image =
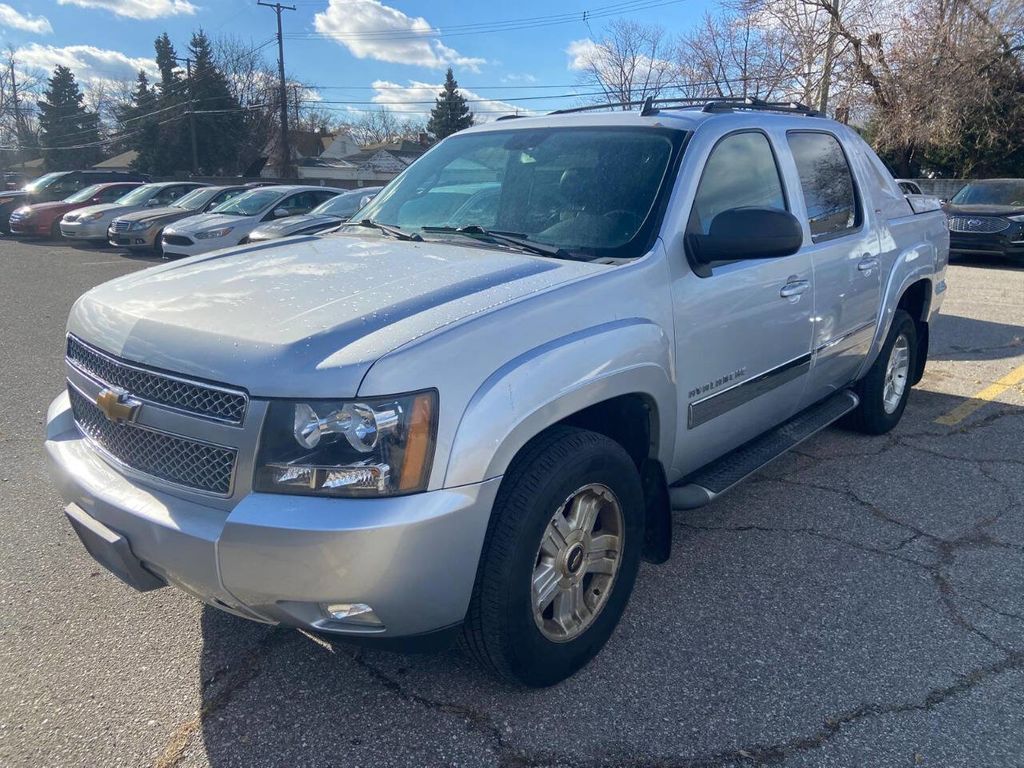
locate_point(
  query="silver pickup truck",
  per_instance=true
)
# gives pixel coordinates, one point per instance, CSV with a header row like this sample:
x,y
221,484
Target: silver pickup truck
x,y
472,411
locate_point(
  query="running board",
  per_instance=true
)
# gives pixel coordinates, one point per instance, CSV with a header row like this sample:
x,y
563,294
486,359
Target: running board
x,y
714,479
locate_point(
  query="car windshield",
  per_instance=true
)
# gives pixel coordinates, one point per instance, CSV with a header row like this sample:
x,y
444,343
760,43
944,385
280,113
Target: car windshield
x,y
1008,192
588,191
83,194
42,182
343,205
196,199
139,195
249,204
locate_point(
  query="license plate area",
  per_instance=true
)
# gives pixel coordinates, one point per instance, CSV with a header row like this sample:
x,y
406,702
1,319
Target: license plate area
x,y
111,550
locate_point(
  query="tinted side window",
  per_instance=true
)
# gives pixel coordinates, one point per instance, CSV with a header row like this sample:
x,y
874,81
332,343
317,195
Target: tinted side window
x,y
827,183
740,173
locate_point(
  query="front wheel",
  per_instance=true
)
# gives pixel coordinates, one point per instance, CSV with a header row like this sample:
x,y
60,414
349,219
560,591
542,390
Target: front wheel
x,y
884,390
560,558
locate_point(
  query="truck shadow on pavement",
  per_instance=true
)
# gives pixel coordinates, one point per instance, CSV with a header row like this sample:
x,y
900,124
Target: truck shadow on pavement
x,y
858,602
967,338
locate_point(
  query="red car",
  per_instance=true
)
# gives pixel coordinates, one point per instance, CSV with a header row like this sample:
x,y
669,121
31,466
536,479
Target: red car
x,y
43,219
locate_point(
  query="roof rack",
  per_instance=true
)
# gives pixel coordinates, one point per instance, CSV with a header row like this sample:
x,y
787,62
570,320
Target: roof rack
x,y
651,105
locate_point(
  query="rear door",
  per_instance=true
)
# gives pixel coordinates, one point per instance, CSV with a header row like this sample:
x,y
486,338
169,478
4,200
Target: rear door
x,y
845,257
743,328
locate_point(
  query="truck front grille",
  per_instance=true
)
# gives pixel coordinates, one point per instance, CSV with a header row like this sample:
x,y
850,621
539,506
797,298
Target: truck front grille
x,y
206,400
171,458
977,224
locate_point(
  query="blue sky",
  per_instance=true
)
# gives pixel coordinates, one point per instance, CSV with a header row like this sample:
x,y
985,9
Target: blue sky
x,y
350,50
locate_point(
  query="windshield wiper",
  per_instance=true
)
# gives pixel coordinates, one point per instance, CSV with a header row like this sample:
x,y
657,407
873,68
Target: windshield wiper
x,y
387,230
514,239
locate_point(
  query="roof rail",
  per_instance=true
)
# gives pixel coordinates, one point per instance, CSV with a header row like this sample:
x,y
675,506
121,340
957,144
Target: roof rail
x,y
651,105
509,117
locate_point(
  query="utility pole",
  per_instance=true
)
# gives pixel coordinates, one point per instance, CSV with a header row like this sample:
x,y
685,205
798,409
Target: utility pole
x,y
826,69
283,95
17,107
191,113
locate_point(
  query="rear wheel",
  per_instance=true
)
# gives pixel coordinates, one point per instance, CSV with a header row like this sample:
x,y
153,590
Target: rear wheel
x,y
884,390
560,559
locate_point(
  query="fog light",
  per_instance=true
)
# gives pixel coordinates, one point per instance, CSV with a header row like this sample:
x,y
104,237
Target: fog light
x,y
353,613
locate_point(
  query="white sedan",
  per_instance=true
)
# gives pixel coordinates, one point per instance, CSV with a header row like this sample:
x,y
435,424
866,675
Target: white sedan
x,y
230,223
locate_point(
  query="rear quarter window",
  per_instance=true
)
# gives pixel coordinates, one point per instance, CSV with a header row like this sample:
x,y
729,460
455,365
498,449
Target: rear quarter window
x,y
826,180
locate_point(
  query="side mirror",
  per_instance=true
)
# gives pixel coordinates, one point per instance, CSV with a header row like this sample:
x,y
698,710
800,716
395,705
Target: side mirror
x,y
280,213
152,202
748,233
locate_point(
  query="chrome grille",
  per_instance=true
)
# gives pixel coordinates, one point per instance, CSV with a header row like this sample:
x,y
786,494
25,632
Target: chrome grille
x,y
977,224
177,460
191,396
120,226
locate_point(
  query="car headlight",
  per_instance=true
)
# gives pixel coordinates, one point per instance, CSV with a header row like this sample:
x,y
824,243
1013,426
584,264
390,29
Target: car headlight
x,y
380,446
138,226
24,211
211,233
1019,218
90,216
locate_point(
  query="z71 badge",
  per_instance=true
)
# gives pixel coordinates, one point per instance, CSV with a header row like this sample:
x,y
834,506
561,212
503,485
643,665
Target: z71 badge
x,y
718,383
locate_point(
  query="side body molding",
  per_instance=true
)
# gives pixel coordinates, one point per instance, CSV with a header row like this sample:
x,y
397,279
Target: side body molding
x,y
544,385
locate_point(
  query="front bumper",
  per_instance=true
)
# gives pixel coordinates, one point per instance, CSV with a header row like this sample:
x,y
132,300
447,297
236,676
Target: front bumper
x,y
141,239
277,558
178,248
84,230
1009,243
29,227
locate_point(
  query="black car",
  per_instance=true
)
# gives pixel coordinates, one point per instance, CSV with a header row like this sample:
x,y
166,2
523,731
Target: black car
x,y
987,218
57,186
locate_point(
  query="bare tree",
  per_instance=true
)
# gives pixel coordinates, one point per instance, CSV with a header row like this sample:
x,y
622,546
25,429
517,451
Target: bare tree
x,y
382,126
630,62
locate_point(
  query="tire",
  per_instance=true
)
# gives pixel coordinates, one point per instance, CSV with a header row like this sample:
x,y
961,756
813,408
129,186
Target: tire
x,y
158,245
874,415
55,231
561,474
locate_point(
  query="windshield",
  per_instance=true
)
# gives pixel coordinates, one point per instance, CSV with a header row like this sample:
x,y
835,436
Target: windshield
x,y
590,191
196,199
344,205
138,195
1008,192
42,182
83,194
249,204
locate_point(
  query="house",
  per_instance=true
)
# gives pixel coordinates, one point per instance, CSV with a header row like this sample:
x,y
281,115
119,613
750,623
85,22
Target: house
x,y
121,162
344,160
302,146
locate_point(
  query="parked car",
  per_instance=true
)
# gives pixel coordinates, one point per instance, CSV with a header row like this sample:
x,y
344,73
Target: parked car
x,y
142,230
13,181
232,222
987,218
93,222
406,431
43,219
57,186
325,216
909,187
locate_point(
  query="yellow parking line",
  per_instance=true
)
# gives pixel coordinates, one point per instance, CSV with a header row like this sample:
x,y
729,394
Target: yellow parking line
x,y
987,395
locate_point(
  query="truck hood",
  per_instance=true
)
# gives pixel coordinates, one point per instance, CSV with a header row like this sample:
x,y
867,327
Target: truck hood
x,y
306,318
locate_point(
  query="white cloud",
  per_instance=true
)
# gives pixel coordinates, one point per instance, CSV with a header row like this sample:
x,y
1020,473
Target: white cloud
x,y
403,98
10,17
581,53
372,30
138,9
516,77
90,64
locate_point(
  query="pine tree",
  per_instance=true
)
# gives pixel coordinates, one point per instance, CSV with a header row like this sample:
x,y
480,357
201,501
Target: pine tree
x,y
65,125
219,135
167,63
164,148
139,121
450,113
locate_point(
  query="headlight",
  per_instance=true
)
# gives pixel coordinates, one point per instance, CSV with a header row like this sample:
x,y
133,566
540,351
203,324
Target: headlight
x,y
138,226
1019,218
381,446
90,216
209,233
24,212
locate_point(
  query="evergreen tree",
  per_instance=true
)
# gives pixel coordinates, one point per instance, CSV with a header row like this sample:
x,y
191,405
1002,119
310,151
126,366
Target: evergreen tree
x,y
218,135
166,62
450,113
139,121
163,146
65,125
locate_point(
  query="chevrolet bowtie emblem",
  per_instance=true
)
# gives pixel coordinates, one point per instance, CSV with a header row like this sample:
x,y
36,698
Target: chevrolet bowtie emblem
x,y
117,405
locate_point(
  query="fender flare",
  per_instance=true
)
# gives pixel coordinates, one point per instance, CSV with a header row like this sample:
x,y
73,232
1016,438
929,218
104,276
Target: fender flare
x,y
544,385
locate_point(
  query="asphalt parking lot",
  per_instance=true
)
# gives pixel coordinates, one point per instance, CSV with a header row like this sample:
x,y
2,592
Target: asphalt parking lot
x,y
859,603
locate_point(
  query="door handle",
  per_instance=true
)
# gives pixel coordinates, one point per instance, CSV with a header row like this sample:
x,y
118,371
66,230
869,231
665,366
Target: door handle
x,y
794,288
867,263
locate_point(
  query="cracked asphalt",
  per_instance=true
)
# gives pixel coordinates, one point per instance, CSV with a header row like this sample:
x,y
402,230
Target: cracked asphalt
x,y
858,603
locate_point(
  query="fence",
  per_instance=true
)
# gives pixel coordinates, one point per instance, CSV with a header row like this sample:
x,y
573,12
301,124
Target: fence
x,y
941,188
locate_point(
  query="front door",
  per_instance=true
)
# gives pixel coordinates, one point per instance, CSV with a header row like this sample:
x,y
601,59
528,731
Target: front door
x,y
743,329
845,257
